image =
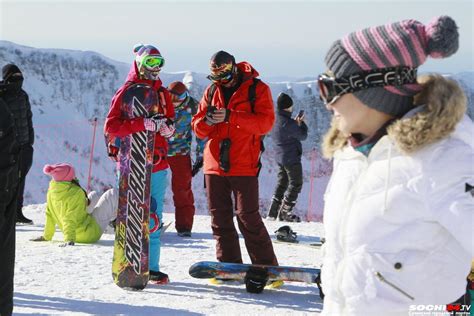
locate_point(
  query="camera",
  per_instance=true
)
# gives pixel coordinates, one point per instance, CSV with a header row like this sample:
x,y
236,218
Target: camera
x,y
224,155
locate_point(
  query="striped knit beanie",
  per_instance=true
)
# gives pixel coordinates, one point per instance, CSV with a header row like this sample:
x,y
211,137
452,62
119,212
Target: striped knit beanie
x,y
405,43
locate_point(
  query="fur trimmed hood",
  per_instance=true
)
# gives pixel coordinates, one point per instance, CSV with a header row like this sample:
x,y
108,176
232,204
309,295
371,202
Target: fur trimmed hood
x,y
442,105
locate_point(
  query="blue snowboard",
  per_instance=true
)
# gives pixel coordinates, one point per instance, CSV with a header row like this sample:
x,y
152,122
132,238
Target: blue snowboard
x,y
237,271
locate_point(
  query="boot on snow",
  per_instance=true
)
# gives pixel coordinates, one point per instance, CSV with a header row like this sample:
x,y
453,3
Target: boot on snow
x,y
255,280
274,207
286,212
157,277
22,219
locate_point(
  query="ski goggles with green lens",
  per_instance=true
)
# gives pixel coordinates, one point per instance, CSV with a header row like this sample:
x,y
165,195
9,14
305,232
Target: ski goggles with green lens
x,y
331,88
153,61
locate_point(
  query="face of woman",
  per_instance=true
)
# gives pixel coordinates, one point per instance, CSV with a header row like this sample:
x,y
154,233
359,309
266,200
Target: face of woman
x,y
351,115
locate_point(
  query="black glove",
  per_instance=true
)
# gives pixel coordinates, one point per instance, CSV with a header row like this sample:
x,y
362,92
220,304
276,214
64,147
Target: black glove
x,y
113,152
197,166
69,243
208,118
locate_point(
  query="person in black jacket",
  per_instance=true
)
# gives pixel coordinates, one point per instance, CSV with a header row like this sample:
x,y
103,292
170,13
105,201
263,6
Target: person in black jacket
x,y
18,102
287,136
9,179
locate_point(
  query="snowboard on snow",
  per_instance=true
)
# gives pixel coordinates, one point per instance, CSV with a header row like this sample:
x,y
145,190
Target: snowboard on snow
x,y
310,244
130,260
237,271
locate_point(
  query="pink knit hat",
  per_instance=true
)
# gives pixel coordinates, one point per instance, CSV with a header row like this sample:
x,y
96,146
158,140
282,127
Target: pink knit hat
x,y
407,43
60,171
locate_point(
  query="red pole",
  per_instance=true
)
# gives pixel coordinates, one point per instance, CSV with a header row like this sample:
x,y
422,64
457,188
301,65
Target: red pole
x,y
311,183
92,155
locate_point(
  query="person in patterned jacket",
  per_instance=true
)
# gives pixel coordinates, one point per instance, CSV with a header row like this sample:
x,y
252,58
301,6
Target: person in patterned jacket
x,y
179,157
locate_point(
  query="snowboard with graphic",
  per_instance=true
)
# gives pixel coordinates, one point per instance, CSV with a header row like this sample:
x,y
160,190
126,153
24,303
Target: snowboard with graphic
x,y
237,271
132,236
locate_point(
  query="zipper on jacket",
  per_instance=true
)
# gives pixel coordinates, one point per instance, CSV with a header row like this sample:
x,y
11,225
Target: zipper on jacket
x,y
382,279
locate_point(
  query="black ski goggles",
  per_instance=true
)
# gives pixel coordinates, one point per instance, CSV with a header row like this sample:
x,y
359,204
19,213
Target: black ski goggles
x,y
331,88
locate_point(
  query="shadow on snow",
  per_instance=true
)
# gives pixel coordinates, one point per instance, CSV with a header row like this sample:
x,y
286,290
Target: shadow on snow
x,y
290,296
59,304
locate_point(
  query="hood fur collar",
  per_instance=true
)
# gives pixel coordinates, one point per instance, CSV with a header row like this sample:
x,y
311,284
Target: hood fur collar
x,y
444,105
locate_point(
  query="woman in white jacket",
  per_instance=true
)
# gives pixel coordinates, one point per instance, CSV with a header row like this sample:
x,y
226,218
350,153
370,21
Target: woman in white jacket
x,y
398,220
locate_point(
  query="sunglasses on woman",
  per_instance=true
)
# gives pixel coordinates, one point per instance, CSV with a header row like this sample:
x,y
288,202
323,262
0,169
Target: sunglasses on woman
x,y
331,88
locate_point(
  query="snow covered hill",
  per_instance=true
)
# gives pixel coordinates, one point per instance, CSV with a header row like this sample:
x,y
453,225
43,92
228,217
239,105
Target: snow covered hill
x,y
68,89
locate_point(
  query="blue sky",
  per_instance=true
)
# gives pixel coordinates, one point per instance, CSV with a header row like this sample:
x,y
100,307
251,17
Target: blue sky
x,y
280,38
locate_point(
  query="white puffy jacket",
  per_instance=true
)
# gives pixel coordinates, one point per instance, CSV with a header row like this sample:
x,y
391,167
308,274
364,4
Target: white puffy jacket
x,y
399,223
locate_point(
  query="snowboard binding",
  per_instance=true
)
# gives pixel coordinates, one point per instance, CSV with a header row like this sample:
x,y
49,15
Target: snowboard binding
x,y
286,234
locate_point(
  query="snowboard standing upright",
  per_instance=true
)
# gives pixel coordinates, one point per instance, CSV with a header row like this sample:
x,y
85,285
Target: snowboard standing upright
x,y
132,236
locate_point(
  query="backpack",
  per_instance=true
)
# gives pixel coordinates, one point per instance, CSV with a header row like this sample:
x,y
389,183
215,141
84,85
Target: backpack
x,y
252,95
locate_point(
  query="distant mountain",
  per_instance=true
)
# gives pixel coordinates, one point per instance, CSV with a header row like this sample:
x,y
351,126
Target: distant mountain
x,y
69,89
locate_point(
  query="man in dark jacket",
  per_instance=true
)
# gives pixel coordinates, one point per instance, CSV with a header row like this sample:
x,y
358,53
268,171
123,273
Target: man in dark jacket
x,y
19,104
9,178
287,136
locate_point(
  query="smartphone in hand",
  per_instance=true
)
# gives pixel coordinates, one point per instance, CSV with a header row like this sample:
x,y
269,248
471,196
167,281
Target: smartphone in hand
x,y
300,114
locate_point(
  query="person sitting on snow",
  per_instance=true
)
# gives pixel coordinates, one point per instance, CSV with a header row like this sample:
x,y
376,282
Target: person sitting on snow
x,y
81,218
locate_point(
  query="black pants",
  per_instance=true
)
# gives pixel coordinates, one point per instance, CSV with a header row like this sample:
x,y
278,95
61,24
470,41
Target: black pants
x,y
8,205
26,160
290,182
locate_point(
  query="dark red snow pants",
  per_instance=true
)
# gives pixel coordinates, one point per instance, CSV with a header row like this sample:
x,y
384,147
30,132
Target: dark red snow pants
x,y
245,191
182,192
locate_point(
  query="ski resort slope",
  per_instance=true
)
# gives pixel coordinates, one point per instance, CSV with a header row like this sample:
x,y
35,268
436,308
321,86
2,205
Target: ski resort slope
x,y
77,280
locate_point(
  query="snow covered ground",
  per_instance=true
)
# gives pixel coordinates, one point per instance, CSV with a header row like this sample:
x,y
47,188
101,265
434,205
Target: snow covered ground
x,y
77,280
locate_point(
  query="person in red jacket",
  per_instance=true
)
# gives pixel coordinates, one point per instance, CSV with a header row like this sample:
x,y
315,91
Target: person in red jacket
x,y
145,71
234,126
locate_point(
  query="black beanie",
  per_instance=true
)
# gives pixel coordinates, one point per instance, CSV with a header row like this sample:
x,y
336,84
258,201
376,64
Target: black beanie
x,y
222,57
284,101
10,69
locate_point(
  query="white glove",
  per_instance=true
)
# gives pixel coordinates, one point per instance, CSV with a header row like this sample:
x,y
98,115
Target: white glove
x,y
154,123
167,130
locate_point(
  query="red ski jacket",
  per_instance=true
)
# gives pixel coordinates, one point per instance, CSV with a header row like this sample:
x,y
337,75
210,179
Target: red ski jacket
x,y
117,126
244,128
